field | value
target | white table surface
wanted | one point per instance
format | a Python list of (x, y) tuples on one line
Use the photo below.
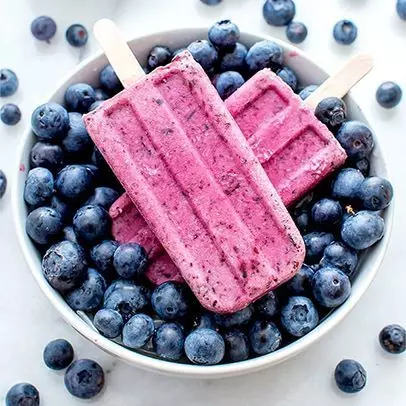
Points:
[(28, 322)]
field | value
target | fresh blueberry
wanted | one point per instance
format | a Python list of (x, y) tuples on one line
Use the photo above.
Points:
[(48, 156), (205, 320), (84, 379), (279, 12), (100, 93), (345, 32), (363, 230), (109, 323), (79, 97), (69, 234), (346, 184), (43, 28), (350, 376), (22, 394), (204, 53), (64, 265), (103, 196), (130, 260), (268, 305), (3, 184), (64, 210), (301, 283), (299, 316), (307, 91), (96, 172), (44, 225), (178, 51), (39, 187), (10, 114), (158, 56), (109, 81), (375, 193), (363, 166), (126, 297), (338, 255), (389, 94), (264, 337), (92, 224), (315, 244), (138, 331), (74, 183), (224, 35), (77, 144), (302, 221), (77, 35), (205, 346), (356, 138), (102, 256), (168, 341), (264, 54), (401, 9), (50, 122), (95, 105), (211, 2), (228, 82), (58, 354), (170, 301), (393, 339), (289, 77), (237, 346), (331, 287), (296, 32), (332, 112), (236, 319), (8, 82), (234, 60), (327, 213)]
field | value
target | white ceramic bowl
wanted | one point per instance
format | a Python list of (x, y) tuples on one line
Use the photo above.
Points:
[(308, 73)]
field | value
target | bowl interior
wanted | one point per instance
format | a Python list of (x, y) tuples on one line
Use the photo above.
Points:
[(308, 73)]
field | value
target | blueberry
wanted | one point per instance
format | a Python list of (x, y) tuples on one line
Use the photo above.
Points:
[(234, 60), (264, 54), (84, 379), (77, 144), (264, 337), (92, 224), (130, 260), (74, 183), (8, 82), (401, 9), (126, 297), (158, 56), (22, 394), (79, 97), (44, 225), (168, 341), (3, 184), (363, 166), (204, 53), (170, 301), (102, 256), (211, 2), (363, 230), (205, 320), (77, 35), (48, 156), (307, 91), (62, 208), (279, 12), (332, 112), (104, 197), (95, 105), (43, 28), (50, 122), (58, 354), (237, 346), (138, 331), (350, 376), (393, 339), (331, 287), (327, 213), (302, 221), (69, 234), (109, 81), (39, 187), (338, 255), (356, 138), (205, 346), (375, 193), (228, 82), (296, 32), (109, 323), (10, 114), (389, 94), (224, 35), (289, 77), (268, 305), (345, 32), (301, 283), (236, 319), (101, 94), (178, 51), (346, 184), (315, 244), (64, 265)]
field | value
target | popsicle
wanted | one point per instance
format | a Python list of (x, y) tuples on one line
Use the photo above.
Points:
[(184, 162)]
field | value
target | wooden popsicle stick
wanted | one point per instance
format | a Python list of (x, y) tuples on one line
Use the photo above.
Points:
[(343, 81)]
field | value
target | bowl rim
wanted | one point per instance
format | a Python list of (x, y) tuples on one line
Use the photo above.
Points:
[(155, 364)]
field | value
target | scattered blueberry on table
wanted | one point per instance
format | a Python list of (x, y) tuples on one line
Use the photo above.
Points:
[(58, 354), (350, 376), (211, 2), (77, 35), (22, 394), (345, 32), (401, 9), (43, 28), (389, 95), (296, 32), (3, 184), (393, 339), (279, 12), (10, 114), (8, 82)]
